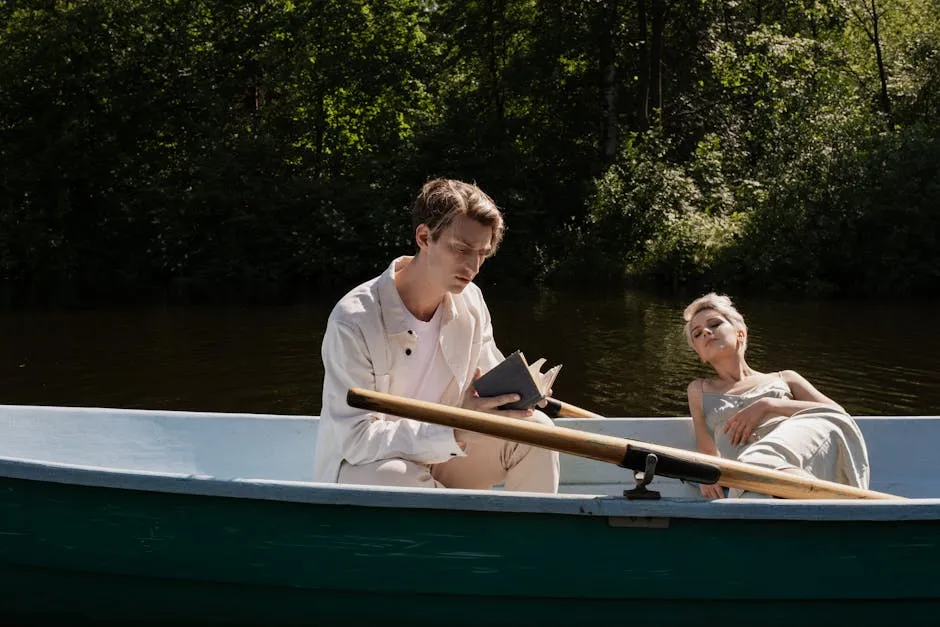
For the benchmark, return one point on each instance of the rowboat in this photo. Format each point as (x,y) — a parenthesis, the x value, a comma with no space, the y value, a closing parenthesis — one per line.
(173,517)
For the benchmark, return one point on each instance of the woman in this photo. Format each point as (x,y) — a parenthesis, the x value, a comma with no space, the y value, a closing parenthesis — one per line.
(777,420)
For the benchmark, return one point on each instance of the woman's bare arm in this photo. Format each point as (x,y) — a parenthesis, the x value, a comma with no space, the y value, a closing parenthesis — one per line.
(704,442)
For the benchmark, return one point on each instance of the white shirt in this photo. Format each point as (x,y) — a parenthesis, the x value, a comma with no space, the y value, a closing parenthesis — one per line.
(367,345)
(429,375)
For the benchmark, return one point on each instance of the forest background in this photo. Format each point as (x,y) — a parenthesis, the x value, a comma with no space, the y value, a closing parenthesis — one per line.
(203,149)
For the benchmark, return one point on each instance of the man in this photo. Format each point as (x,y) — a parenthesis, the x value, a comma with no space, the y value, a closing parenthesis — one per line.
(422,330)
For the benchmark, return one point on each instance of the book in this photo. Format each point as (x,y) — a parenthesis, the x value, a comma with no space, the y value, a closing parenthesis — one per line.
(515,375)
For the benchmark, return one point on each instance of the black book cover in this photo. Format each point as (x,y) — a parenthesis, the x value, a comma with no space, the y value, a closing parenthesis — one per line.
(514,375)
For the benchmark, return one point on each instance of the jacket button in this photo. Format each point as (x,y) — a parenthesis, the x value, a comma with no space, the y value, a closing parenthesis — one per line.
(407,351)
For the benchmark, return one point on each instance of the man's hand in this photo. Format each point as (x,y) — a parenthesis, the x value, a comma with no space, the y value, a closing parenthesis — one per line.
(544,402)
(489,404)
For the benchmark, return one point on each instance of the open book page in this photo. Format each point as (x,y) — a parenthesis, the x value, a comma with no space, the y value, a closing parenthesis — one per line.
(542,380)
(514,375)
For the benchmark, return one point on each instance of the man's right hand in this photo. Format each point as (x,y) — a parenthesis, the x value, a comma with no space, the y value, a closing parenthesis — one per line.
(489,404)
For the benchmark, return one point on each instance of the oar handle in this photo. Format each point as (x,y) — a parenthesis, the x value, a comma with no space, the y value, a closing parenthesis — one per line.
(555,408)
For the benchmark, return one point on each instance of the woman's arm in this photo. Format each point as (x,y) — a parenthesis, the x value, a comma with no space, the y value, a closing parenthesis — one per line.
(704,442)
(805,396)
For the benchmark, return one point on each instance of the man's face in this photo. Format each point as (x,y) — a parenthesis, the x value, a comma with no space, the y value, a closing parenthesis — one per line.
(455,258)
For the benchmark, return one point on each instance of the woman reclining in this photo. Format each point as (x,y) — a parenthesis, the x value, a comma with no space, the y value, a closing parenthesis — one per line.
(777,420)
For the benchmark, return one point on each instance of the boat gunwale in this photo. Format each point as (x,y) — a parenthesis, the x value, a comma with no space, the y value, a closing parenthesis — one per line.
(195,414)
(489,501)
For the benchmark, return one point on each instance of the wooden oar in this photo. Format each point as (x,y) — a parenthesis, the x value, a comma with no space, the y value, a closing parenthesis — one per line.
(555,408)
(670,462)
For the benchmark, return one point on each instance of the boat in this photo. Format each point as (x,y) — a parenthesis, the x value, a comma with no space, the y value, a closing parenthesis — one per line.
(178,517)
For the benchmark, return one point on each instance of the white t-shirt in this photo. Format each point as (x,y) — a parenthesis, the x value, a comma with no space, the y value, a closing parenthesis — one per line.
(429,374)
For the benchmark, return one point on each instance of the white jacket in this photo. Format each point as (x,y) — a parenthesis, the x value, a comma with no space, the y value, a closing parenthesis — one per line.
(364,346)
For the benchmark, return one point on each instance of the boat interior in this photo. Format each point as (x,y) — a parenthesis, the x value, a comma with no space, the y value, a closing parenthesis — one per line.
(279,448)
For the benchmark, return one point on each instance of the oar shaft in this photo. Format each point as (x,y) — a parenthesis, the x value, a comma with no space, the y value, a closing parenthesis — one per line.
(560,409)
(604,448)
(600,447)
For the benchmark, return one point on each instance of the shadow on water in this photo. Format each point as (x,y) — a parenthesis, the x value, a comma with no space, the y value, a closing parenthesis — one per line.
(623,353)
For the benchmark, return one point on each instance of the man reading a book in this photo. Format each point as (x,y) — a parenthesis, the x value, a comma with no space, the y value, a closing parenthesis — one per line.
(422,330)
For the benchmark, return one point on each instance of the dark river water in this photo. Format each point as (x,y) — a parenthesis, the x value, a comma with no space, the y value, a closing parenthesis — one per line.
(623,353)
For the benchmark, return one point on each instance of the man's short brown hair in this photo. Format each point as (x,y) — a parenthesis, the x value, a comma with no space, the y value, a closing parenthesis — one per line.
(442,200)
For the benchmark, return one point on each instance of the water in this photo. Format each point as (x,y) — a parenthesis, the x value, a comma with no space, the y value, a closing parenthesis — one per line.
(623,353)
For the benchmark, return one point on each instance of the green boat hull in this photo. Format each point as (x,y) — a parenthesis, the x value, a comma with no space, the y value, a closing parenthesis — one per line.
(77,552)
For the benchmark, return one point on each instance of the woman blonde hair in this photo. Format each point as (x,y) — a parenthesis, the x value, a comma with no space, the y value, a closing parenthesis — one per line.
(720,303)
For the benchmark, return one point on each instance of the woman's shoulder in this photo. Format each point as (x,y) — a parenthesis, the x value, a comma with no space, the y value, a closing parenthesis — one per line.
(694,391)
(696,387)
(790,375)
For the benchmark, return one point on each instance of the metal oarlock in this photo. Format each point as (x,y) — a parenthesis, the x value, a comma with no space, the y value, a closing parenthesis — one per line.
(646,464)
(642,480)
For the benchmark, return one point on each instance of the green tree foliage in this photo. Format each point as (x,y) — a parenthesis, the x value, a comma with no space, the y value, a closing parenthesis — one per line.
(205,147)
(786,169)
(204,143)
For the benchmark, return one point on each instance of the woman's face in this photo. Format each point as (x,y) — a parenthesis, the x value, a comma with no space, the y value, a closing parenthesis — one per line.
(713,335)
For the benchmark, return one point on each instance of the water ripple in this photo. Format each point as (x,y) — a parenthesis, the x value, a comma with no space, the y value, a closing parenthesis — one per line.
(623,353)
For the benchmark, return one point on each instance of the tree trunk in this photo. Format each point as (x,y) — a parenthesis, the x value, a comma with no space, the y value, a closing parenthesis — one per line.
(873,19)
(882,73)
(496,9)
(609,25)
(318,126)
(643,75)
(656,58)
